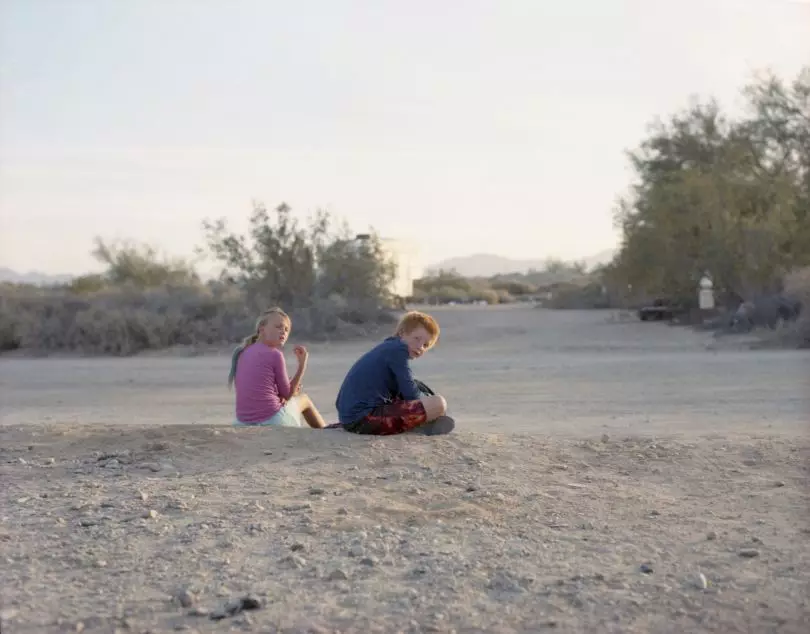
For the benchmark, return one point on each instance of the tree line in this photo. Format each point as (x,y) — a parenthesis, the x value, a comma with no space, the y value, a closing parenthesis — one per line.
(719,195)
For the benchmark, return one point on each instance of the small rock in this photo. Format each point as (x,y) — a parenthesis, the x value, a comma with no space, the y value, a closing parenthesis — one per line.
(472,488)
(655,513)
(198,612)
(100,563)
(184,597)
(748,553)
(605,438)
(152,466)
(337,575)
(702,581)
(356,551)
(297,547)
(87,523)
(22,461)
(316,491)
(50,461)
(294,561)
(711,536)
(151,514)
(779,483)
(113,464)
(647,569)
(342,511)
(298,507)
(143,495)
(79,627)
(251,603)
(368,561)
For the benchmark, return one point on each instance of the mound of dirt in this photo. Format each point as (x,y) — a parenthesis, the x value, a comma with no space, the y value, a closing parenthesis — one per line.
(208,528)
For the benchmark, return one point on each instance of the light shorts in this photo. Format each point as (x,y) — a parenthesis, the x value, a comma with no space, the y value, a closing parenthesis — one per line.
(288,416)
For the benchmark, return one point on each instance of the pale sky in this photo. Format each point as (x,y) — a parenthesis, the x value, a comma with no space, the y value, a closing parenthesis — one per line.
(471,126)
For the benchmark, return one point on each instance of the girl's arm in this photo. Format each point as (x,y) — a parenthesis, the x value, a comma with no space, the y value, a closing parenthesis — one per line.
(284,385)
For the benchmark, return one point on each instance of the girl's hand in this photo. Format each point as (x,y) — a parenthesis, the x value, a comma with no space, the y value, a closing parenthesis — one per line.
(301,354)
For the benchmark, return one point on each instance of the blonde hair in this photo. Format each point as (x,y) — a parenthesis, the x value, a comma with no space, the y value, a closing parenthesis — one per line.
(414,319)
(251,339)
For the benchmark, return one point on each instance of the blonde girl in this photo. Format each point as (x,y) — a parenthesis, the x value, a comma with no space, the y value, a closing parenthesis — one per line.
(265,395)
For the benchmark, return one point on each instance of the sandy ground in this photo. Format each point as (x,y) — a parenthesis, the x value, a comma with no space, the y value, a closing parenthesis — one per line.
(606,477)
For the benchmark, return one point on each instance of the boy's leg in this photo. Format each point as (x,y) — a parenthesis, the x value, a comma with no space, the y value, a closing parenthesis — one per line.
(393,418)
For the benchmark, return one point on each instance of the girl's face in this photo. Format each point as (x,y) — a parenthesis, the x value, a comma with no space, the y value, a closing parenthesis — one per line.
(418,342)
(275,331)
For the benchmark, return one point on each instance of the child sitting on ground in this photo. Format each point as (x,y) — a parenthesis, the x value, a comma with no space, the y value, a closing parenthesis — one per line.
(379,395)
(264,393)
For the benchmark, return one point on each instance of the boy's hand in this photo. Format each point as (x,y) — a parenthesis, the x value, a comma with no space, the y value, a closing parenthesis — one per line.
(301,354)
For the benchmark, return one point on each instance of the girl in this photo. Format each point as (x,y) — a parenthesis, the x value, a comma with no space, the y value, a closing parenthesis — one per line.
(264,393)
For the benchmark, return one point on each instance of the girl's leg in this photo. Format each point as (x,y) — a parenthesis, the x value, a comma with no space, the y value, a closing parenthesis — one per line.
(310,412)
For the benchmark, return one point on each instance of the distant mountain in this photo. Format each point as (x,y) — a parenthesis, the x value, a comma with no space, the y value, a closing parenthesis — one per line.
(33,277)
(487,265)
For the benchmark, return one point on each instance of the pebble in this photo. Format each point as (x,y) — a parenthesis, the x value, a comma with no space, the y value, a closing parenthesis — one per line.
(779,483)
(298,507)
(184,597)
(356,551)
(703,582)
(472,488)
(316,491)
(337,575)
(297,547)
(143,495)
(342,511)
(100,563)
(369,561)
(87,523)
(151,514)
(232,608)
(198,612)
(711,536)
(294,561)
(50,461)
(647,569)
(605,438)
(748,553)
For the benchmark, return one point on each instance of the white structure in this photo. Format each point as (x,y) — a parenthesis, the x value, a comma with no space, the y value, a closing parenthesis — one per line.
(706,293)
(406,256)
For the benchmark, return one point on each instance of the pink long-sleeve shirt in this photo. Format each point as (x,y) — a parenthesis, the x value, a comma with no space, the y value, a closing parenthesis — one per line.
(261,382)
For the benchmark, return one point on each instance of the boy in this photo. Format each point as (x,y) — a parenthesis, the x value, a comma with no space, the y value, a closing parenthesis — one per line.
(379,395)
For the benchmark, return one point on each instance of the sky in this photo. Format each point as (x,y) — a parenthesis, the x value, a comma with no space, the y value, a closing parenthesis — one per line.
(475,126)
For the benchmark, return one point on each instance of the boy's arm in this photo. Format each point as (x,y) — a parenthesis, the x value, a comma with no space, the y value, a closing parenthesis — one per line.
(400,366)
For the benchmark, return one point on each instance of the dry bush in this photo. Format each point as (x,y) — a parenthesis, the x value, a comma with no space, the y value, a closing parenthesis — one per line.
(127,320)
(795,334)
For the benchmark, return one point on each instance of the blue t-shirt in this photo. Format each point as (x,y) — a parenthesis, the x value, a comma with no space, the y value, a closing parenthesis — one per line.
(378,377)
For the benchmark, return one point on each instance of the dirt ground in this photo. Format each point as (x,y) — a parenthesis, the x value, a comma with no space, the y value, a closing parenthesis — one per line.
(611,477)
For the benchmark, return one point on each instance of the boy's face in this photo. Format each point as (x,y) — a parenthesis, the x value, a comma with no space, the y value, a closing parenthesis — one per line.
(418,341)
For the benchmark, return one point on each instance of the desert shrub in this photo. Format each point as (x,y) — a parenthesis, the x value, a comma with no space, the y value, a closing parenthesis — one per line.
(795,333)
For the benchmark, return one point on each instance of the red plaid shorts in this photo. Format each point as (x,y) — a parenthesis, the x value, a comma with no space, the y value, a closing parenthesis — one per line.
(395,417)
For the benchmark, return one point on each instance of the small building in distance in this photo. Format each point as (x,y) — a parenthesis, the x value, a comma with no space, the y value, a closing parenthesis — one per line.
(405,254)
